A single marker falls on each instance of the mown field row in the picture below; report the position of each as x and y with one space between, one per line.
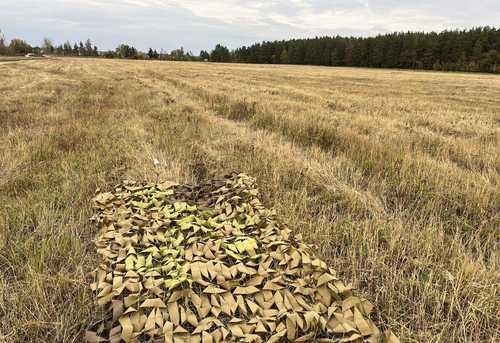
393 175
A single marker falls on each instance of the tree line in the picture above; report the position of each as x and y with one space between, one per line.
130 52
476 50
18 46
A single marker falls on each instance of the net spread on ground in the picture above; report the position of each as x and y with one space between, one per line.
210 263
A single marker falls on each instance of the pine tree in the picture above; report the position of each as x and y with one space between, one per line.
3 46
220 54
81 49
284 57
67 49
204 55
47 46
477 52
88 49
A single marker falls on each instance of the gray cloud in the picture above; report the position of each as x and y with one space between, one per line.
199 25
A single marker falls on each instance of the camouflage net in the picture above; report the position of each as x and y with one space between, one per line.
210 263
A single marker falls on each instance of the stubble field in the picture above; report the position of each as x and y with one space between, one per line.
393 175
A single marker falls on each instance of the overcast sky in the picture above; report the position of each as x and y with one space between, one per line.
196 25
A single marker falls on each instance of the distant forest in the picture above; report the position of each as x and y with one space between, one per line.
474 50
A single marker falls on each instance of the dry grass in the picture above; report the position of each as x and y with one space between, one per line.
393 175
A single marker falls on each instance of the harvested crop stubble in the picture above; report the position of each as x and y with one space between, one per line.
210 263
